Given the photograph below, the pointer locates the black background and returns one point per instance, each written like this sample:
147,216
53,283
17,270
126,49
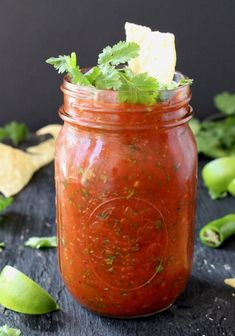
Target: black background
31,31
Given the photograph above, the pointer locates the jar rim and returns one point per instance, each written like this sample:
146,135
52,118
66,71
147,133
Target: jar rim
165,94
100,109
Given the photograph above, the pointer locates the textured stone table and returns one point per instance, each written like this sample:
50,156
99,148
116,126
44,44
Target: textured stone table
207,307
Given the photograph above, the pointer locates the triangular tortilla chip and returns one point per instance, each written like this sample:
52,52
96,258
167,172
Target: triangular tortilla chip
16,170
42,154
52,129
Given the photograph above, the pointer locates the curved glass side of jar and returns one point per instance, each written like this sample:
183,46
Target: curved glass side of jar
125,195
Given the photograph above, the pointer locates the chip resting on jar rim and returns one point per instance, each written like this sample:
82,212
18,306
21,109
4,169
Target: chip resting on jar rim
157,54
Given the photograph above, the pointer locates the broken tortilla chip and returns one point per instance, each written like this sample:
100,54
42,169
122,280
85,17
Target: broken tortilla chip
230,282
52,129
17,167
42,154
16,170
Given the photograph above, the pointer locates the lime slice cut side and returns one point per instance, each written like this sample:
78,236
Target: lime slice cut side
21,294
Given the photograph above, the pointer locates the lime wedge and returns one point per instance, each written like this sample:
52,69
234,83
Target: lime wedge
21,294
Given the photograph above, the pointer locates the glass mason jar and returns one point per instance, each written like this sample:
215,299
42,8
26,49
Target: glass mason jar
125,193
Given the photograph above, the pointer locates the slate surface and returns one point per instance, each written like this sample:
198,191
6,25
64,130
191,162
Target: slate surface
207,307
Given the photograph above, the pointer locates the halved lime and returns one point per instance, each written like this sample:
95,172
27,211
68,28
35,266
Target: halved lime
21,294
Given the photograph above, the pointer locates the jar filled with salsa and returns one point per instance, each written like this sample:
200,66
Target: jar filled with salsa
125,193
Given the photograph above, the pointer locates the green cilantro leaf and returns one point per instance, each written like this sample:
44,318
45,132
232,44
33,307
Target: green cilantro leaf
2,245
41,242
127,72
14,131
60,63
69,65
174,85
209,145
225,102
6,331
77,77
72,60
3,134
195,125
185,81
5,202
215,138
109,78
169,86
93,74
139,89
159,267
120,53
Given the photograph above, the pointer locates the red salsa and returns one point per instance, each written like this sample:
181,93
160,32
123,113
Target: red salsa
126,187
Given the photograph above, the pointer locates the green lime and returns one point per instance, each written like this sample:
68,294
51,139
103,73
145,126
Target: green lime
21,294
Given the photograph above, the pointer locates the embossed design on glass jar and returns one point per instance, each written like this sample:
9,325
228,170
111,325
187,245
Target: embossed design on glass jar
124,237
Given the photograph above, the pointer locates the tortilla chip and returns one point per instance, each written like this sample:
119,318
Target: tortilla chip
17,167
230,282
52,129
42,154
16,170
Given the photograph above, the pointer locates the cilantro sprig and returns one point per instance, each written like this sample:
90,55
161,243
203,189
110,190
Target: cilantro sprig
140,88
174,85
15,131
216,138
7,331
108,78
41,242
5,202
120,53
113,73
68,64
225,103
